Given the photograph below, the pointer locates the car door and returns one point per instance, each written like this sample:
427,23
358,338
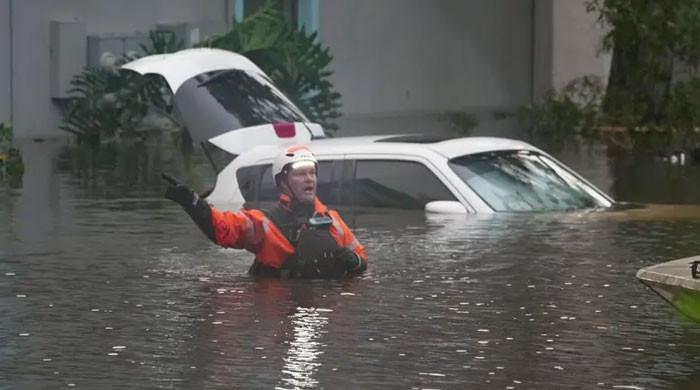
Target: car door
383,182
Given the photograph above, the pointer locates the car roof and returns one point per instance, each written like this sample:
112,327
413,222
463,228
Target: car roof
416,144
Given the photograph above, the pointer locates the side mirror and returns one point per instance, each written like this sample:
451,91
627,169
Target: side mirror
445,207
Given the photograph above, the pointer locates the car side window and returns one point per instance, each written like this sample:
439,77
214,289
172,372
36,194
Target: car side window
247,181
396,184
328,185
268,190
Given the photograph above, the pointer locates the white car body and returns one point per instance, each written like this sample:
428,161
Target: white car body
434,156
255,142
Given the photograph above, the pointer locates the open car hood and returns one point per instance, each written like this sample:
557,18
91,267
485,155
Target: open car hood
218,94
176,68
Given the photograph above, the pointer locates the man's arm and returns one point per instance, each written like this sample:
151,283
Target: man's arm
229,229
194,206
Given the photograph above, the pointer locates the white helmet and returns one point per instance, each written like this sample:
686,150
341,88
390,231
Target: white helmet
294,156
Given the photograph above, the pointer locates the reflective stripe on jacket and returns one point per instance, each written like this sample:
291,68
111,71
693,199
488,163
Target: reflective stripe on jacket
254,231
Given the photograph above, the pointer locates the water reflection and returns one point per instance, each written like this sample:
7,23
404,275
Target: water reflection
302,358
103,284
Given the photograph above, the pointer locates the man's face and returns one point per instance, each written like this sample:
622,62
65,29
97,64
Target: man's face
301,182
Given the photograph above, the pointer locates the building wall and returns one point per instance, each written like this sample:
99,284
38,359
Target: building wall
393,59
576,43
5,68
543,46
35,114
397,57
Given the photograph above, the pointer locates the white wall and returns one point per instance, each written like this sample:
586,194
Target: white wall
397,57
5,69
576,43
35,115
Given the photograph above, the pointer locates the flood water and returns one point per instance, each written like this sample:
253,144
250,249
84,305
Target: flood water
106,285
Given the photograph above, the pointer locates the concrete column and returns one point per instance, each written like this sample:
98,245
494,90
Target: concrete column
568,43
576,43
542,47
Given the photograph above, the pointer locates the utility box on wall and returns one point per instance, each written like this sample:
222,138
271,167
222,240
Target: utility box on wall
67,55
102,48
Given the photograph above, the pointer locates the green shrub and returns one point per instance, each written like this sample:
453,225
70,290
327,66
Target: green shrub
461,122
577,110
683,108
11,165
110,103
561,115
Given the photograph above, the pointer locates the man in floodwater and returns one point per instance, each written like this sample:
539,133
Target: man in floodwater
300,237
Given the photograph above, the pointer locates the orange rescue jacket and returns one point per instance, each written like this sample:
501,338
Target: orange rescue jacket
252,230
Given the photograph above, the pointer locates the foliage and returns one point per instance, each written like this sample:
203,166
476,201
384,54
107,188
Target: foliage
11,165
649,40
6,135
295,61
461,122
653,91
162,42
112,103
654,28
573,110
683,106
576,110
109,103
679,130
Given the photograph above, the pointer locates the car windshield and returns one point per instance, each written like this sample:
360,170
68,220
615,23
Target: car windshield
525,181
216,102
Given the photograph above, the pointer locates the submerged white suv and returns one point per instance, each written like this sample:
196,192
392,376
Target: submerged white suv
228,104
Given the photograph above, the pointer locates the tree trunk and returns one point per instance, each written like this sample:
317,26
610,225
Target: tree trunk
636,88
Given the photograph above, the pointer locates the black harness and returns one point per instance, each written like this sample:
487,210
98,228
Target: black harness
313,243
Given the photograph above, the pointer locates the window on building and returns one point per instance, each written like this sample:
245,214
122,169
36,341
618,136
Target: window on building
288,8
302,13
